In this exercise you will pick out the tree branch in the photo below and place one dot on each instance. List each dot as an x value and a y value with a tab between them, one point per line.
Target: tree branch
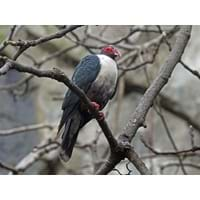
9	168
194	72
170	153
137	162
172	106
25	128
58	75
41	40
34	156
121	148
138	117
9	37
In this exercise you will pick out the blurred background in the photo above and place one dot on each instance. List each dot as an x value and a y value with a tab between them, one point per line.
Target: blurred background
30	107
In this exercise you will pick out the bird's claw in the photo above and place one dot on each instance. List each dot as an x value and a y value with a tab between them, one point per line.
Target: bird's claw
95	105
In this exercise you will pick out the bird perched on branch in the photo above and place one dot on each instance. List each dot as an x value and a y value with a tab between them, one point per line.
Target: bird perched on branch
96	75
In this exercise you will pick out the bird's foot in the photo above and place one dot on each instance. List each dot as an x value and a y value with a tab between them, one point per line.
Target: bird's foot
95	105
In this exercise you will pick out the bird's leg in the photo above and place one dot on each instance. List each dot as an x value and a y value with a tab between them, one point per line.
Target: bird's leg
101	116
97	107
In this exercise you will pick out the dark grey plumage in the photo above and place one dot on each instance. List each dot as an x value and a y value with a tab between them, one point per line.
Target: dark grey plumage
73	119
96	75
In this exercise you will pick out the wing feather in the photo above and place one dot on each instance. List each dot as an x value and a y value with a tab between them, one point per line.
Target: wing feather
85	73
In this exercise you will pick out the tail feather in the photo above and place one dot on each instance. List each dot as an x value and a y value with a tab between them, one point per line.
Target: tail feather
69	135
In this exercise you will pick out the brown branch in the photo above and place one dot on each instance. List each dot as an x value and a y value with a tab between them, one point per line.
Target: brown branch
25	44
132	31
155	43
169	153
119	148
9	168
162	168
41	40
9	37
138	117
25	128
34	156
56	54
194	72
137	162
170	105
110	164
5	68
58	75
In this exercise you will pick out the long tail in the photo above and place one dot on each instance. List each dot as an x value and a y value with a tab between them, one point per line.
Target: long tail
70	134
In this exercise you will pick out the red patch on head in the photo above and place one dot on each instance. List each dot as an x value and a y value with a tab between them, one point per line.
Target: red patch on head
110	50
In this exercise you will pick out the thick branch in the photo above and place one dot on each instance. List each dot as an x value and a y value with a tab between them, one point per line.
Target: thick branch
172	106
137	162
109	165
58	75
34	156
118	149
138	117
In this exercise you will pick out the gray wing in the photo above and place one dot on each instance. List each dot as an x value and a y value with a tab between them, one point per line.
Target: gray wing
85	73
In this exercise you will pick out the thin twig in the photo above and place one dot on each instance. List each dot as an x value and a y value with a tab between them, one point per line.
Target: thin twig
138	117
22	129
170	153
58	75
194	72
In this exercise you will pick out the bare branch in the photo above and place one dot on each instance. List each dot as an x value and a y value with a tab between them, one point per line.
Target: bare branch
172	106
32	43
9	168
9	37
137	162
5	68
170	153
194	72
24	45
25	129
58	75
138	117
56	54
163	167
120	148
35	155
110	164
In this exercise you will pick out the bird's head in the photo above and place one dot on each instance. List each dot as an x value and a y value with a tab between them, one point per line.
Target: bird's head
111	52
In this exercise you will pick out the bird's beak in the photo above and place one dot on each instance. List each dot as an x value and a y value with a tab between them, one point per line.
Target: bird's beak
117	53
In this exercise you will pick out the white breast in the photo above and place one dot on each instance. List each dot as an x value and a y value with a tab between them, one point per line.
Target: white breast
103	87
108	69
